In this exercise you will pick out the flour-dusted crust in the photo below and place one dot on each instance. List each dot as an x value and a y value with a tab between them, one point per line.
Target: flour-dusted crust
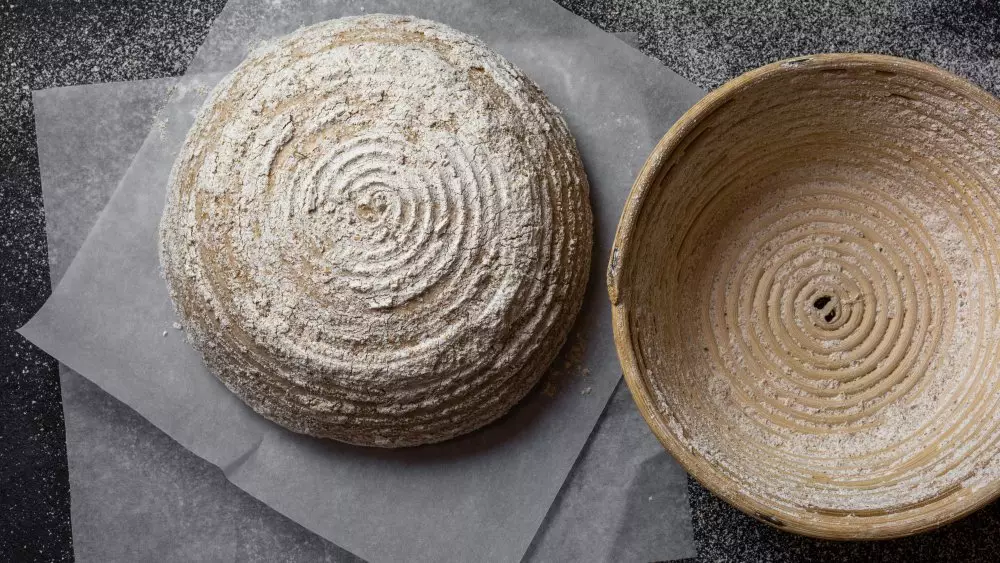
378	231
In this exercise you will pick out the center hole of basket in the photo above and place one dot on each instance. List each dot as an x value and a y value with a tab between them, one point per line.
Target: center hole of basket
829	310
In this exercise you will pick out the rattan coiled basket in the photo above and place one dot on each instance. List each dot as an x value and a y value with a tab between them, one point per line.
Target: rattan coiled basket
805	285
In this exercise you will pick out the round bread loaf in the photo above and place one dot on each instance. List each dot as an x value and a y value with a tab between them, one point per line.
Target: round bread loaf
378	231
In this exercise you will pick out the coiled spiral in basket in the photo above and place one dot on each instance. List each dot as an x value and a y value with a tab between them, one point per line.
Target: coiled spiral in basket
805	295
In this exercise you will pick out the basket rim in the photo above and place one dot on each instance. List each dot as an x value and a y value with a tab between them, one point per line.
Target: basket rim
923	517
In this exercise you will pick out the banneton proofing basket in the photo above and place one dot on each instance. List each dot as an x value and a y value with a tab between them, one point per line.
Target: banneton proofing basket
805	295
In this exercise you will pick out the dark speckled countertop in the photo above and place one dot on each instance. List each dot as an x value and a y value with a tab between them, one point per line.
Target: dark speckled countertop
47	44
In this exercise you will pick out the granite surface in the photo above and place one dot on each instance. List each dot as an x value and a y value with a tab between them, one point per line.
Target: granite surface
50	44
46	44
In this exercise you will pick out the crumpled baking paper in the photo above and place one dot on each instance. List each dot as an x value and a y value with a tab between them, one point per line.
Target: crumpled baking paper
479	497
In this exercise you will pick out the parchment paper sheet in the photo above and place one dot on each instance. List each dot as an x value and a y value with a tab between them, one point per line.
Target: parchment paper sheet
481	497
